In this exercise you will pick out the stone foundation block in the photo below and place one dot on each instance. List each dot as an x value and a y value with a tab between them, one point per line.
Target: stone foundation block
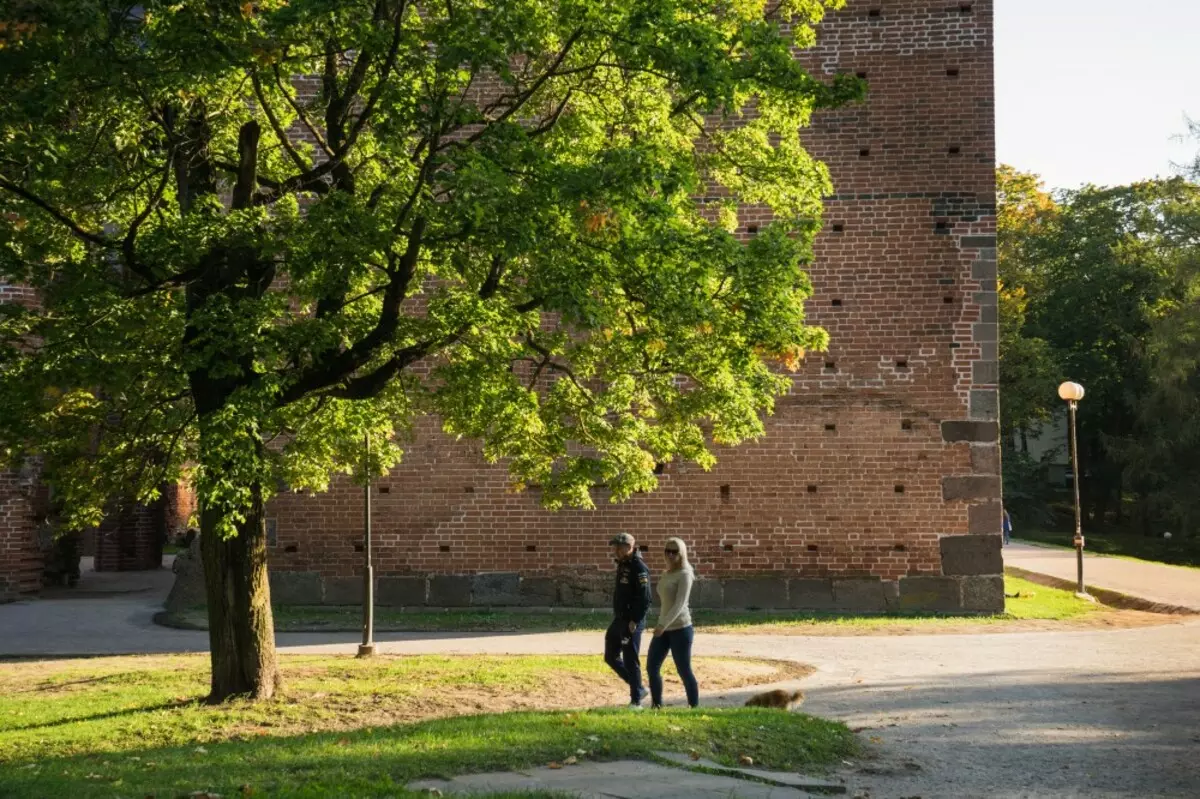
971	487
930	593
859	593
538	591
971	554
496	588
983	593
891	594
342	591
985	518
401	592
810	594
756	593
974	432
707	594
449	591
295	588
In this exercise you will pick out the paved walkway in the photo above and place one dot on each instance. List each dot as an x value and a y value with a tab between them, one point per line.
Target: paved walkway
1157	582
1071	714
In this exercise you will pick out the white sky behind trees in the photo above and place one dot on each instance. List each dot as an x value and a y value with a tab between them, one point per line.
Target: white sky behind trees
1096	91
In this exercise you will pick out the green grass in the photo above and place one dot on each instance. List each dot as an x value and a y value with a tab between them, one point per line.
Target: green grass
133	727
1034	602
1174	551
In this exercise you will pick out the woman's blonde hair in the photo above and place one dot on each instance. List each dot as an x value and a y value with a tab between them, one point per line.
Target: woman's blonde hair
684	563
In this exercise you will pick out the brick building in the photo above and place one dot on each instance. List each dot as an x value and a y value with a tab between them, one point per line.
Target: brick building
877	484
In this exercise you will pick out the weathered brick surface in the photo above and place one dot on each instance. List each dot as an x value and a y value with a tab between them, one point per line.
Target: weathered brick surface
905	283
20	555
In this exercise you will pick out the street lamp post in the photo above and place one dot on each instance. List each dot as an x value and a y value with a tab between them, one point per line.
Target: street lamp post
367	647
1072	393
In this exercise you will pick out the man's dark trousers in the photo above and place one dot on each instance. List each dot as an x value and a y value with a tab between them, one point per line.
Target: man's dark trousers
621	650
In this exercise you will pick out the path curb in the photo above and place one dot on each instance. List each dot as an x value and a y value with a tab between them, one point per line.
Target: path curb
1114	599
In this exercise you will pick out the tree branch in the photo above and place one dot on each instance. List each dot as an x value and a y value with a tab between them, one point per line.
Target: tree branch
247	174
277	126
99	239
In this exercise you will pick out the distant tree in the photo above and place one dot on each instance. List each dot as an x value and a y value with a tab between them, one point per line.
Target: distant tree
1108	269
1029	373
497	211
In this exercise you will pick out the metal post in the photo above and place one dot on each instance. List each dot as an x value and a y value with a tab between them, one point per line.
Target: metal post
367	648
1078	509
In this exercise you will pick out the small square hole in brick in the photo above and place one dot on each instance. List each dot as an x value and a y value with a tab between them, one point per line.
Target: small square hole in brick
836	303
906	424
900	548
899	489
443	548
531	547
727	547
812	489
954	149
752	230
864	152
385	489
952	72
812	548
358	547
831	428
838	227
901	364
725	494
291	548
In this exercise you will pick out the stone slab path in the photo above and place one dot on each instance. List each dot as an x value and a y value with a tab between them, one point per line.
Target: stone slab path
622	779
1157	582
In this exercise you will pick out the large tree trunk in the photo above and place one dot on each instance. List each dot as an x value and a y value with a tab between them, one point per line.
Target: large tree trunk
241	630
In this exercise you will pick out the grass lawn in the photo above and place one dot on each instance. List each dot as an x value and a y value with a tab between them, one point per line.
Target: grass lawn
134	726
1034	602
1174	551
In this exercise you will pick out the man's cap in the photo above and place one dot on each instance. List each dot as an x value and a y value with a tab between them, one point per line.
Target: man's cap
620	538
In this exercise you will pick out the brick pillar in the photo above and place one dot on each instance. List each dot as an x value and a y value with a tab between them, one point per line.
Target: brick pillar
20	556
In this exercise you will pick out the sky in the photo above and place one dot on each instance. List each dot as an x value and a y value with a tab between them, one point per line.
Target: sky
1096	91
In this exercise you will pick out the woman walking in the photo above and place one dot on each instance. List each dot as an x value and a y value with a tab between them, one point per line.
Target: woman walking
674	633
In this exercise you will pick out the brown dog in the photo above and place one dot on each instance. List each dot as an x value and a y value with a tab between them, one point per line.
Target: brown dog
779	698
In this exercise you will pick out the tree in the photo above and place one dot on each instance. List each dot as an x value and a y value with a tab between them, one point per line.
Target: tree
1162	453
1107	270
1028	372
263	230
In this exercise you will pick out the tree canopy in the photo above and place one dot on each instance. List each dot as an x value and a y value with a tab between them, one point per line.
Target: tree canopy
260	231
1098	285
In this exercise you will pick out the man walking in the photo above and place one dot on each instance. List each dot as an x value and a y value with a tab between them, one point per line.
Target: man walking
631	602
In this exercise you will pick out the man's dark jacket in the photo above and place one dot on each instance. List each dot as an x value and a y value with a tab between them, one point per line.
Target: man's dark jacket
631	599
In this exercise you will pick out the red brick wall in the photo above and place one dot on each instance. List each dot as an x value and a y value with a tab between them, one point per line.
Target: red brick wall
20	557
857	477
132	539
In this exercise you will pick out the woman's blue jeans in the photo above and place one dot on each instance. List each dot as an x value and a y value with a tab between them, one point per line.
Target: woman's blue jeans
679	644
